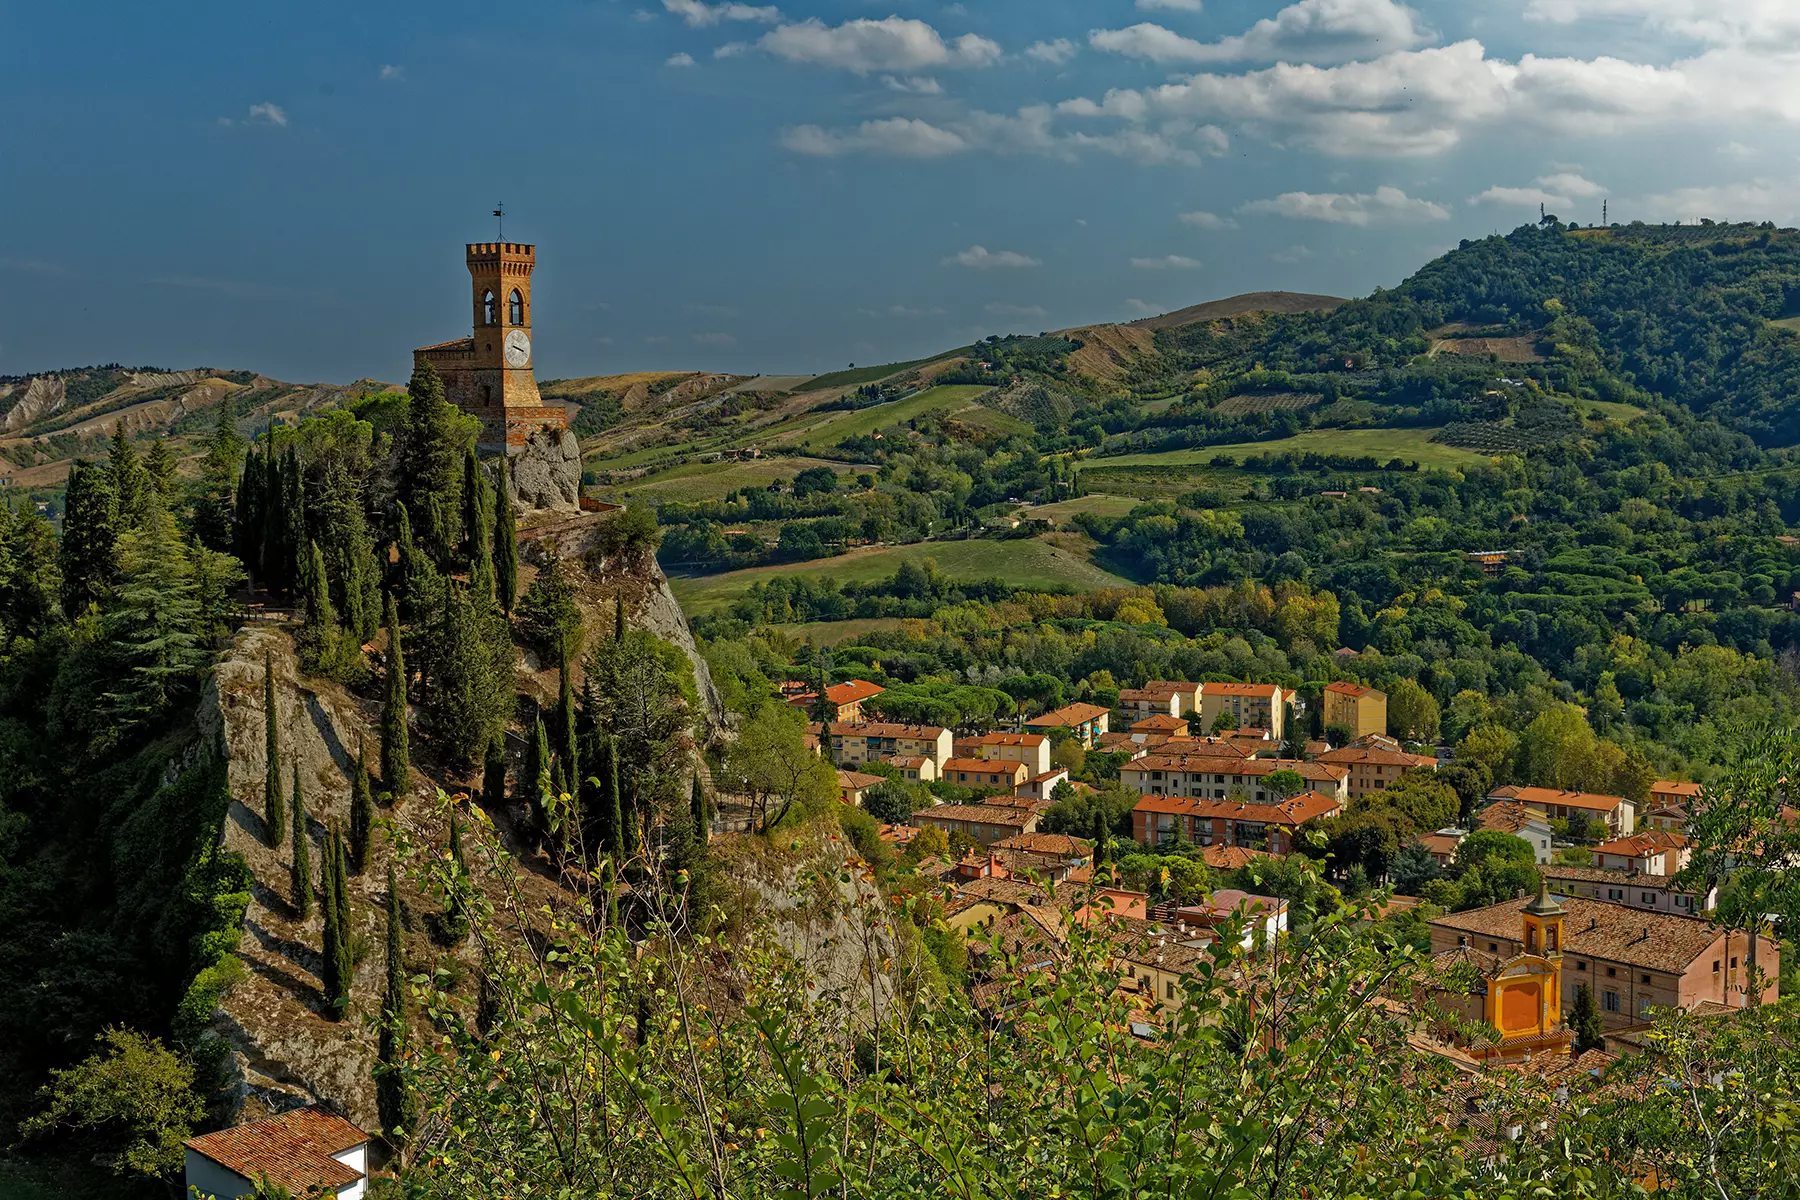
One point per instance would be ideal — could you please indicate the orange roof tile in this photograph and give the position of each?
(1011, 739)
(293, 1149)
(1539, 797)
(1069, 714)
(1344, 687)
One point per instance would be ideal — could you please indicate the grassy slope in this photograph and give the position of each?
(1024, 563)
(838, 426)
(857, 376)
(1410, 444)
(709, 481)
(1105, 506)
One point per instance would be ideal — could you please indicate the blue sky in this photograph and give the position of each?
(794, 186)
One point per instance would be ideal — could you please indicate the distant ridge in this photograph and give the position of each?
(1237, 306)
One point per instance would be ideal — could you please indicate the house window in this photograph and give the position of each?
(1580, 965)
(1734, 962)
(1647, 898)
(1462, 939)
(1169, 989)
(1643, 979)
(1615, 893)
(1493, 949)
(1609, 1000)
(1684, 902)
(1611, 972)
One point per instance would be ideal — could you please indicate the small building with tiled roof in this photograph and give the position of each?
(1651, 851)
(1086, 721)
(1633, 960)
(845, 699)
(1619, 813)
(1442, 844)
(1352, 706)
(871, 741)
(1032, 749)
(1039, 787)
(1231, 858)
(1637, 889)
(986, 823)
(309, 1151)
(1674, 793)
(1373, 767)
(1138, 703)
(1187, 695)
(1161, 723)
(1522, 821)
(1161, 820)
(1055, 845)
(1217, 777)
(852, 785)
(1003, 774)
(916, 768)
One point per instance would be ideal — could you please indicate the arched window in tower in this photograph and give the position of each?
(489, 310)
(516, 308)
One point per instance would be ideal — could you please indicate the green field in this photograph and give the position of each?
(1382, 444)
(1609, 409)
(857, 376)
(1029, 563)
(837, 633)
(838, 426)
(1102, 505)
(709, 481)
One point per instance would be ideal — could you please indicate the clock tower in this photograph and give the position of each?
(489, 374)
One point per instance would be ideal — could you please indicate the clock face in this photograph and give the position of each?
(518, 348)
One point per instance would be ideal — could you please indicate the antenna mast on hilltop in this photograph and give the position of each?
(500, 219)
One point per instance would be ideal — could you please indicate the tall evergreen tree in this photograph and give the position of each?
(420, 585)
(1584, 1022)
(431, 465)
(335, 944)
(506, 540)
(274, 809)
(468, 688)
(131, 486)
(362, 812)
(396, 757)
(302, 865)
(160, 468)
(493, 774)
(295, 544)
(478, 523)
(155, 621)
(618, 836)
(313, 595)
(565, 722)
(89, 549)
(699, 810)
(618, 616)
(534, 775)
(394, 1100)
(214, 499)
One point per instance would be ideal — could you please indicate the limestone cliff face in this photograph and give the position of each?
(546, 472)
(43, 395)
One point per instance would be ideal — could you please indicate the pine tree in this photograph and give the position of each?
(618, 835)
(493, 774)
(565, 721)
(468, 687)
(247, 518)
(420, 585)
(88, 554)
(130, 484)
(431, 464)
(699, 810)
(618, 616)
(331, 975)
(274, 810)
(295, 544)
(320, 633)
(396, 758)
(214, 502)
(456, 904)
(506, 540)
(302, 868)
(1584, 1022)
(154, 620)
(362, 812)
(394, 1100)
(160, 468)
(534, 776)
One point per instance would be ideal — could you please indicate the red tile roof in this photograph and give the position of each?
(1230, 858)
(856, 781)
(1651, 841)
(1011, 739)
(1158, 722)
(886, 729)
(293, 1149)
(1219, 764)
(852, 691)
(1069, 714)
(1640, 937)
(1266, 690)
(1377, 755)
(1674, 787)
(1538, 797)
(1353, 690)
(1509, 816)
(1007, 767)
(1056, 845)
(979, 814)
(1295, 811)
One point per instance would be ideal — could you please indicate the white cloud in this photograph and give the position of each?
(1385, 205)
(714, 339)
(1292, 254)
(899, 137)
(1187, 6)
(260, 114)
(1207, 220)
(1560, 189)
(1055, 53)
(679, 60)
(981, 258)
(913, 85)
(1016, 310)
(390, 71)
(1750, 200)
(1714, 22)
(1168, 262)
(697, 15)
(865, 45)
(1312, 31)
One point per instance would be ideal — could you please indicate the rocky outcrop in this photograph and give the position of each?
(43, 396)
(546, 472)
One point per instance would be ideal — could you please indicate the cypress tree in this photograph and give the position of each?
(87, 553)
(534, 776)
(302, 872)
(314, 597)
(295, 543)
(393, 1099)
(618, 836)
(477, 516)
(506, 541)
(331, 975)
(493, 774)
(362, 812)
(431, 470)
(618, 616)
(1584, 1022)
(565, 720)
(396, 759)
(213, 503)
(248, 520)
(420, 584)
(699, 809)
(273, 810)
(130, 484)
(456, 907)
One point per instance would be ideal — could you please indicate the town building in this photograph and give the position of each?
(308, 1151)
(1674, 793)
(1038, 787)
(1273, 826)
(1261, 706)
(1187, 695)
(914, 768)
(1651, 852)
(1442, 844)
(1003, 774)
(986, 823)
(1161, 725)
(1217, 777)
(1138, 703)
(852, 785)
(1032, 749)
(1373, 767)
(1634, 888)
(1634, 960)
(1522, 821)
(876, 740)
(1361, 710)
(1088, 722)
(1519, 991)
(845, 700)
(1619, 814)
